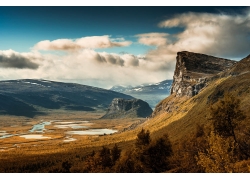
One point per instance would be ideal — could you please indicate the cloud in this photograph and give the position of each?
(131, 60)
(100, 69)
(12, 59)
(92, 42)
(224, 35)
(155, 39)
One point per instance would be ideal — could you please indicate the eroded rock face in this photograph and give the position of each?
(193, 70)
(127, 108)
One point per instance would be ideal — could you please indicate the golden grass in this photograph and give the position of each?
(178, 124)
(189, 112)
(16, 144)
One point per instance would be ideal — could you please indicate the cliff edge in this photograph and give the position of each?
(193, 70)
(127, 108)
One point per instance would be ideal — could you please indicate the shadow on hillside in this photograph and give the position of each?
(79, 108)
(12, 106)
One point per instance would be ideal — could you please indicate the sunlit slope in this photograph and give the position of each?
(178, 116)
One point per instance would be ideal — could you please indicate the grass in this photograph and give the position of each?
(178, 124)
(31, 146)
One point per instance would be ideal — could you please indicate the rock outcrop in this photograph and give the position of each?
(127, 108)
(193, 70)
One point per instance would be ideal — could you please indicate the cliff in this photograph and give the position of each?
(179, 116)
(193, 70)
(127, 108)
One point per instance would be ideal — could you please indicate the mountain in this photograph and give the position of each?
(151, 93)
(127, 108)
(30, 97)
(184, 108)
(193, 70)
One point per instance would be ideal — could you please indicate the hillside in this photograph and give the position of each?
(178, 116)
(179, 113)
(30, 97)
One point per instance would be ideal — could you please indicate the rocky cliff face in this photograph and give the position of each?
(193, 70)
(124, 108)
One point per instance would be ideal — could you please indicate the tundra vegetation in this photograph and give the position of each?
(218, 148)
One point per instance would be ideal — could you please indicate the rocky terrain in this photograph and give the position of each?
(193, 70)
(127, 108)
(179, 114)
(151, 93)
(30, 97)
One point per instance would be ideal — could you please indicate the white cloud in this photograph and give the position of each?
(220, 35)
(155, 39)
(216, 34)
(92, 42)
(88, 67)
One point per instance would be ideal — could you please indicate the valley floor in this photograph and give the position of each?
(59, 132)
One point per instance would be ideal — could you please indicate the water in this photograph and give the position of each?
(34, 136)
(3, 133)
(39, 127)
(78, 127)
(74, 126)
(6, 136)
(70, 122)
(68, 139)
(93, 132)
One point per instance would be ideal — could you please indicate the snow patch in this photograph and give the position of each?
(34, 84)
(138, 89)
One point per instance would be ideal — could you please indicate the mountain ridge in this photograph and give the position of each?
(30, 97)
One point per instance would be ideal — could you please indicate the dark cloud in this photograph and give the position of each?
(16, 61)
(114, 59)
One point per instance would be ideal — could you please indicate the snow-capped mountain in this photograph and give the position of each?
(151, 93)
(30, 97)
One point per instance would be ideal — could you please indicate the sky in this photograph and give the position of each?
(103, 46)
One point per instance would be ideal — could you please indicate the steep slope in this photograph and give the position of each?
(178, 115)
(193, 72)
(127, 108)
(29, 97)
(151, 93)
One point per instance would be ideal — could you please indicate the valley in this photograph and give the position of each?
(126, 135)
(58, 128)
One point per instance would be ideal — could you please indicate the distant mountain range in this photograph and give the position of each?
(151, 93)
(30, 97)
